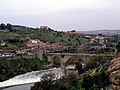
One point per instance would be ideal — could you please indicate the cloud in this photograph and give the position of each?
(62, 14)
(46, 6)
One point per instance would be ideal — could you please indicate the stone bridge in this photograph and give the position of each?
(64, 57)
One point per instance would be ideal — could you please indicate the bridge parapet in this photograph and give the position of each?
(79, 54)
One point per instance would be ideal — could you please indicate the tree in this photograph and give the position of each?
(9, 27)
(101, 80)
(46, 83)
(79, 67)
(87, 82)
(56, 61)
(64, 83)
(49, 83)
(69, 39)
(2, 26)
(101, 51)
(118, 45)
(73, 31)
(72, 80)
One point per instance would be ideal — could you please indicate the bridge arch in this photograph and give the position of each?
(71, 60)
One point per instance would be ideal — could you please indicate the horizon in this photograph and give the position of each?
(62, 15)
(63, 30)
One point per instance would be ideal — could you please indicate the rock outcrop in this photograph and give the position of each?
(114, 70)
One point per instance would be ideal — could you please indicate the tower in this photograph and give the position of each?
(39, 53)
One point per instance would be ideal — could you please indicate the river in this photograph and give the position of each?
(21, 82)
(20, 87)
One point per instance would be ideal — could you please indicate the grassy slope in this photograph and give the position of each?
(49, 36)
(54, 36)
(6, 35)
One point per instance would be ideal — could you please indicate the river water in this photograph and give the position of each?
(21, 87)
(20, 82)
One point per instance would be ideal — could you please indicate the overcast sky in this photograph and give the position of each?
(62, 14)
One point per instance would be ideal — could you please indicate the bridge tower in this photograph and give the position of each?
(39, 52)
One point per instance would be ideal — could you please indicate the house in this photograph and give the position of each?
(2, 43)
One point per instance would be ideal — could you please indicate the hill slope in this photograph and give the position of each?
(49, 35)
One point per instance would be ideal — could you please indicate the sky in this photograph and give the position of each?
(62, 15)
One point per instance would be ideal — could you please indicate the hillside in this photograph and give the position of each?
(54, 37)
(50, 36)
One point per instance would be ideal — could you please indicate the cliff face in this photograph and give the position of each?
(117, 53)
(114, 70)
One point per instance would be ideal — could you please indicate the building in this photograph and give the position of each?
(44, 28)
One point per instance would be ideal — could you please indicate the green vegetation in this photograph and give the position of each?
(65, 83)
(56, 61)
(7, 35)
(118, 46)
(10, 47)
(52, 36)
(11, 68)
(6, 27)
(95, 82)
(98, 81)
(10, 42)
